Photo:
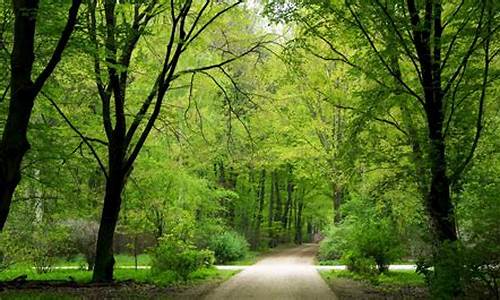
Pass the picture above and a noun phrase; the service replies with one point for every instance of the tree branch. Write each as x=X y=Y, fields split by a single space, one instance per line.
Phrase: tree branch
x=83 y=137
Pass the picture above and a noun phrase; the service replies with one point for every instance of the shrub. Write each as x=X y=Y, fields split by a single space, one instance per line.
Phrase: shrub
x=363 y=244
x=333 y=245
x=358 y=263
x=179 y=257
x=10 y=252
x=228 y=246
x=48 y=243
x=378 y=240
x=458 y=268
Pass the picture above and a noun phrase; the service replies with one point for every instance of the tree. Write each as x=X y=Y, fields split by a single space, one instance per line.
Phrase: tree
x=23 y=92
x=432 y=61
x=187 y=23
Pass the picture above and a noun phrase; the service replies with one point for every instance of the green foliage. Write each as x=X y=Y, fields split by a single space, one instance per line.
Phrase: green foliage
x=457 y=269
x=177 y=259
x=333 y=245
x=391 y=278
x=363 y=245
x=10 y=251
x=47 y=244
x=228 y=246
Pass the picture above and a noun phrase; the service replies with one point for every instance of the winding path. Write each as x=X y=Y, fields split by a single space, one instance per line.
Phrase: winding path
x=288 y=274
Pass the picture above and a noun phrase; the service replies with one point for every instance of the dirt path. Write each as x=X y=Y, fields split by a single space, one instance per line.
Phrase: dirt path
x=288 y=274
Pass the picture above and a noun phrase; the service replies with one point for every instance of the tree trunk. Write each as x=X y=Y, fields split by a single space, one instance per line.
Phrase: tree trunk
x=278 y=207
x=14 y=144
x=439 y=203
x=104 y=263
x=298 y=224
x=259 y=217
x=337 y=201
x=289 y=195
x=271 y=212
x=23 y=89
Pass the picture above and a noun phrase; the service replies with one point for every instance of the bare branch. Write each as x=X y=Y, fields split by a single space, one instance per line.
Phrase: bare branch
x=78 y=132
x=61 y=45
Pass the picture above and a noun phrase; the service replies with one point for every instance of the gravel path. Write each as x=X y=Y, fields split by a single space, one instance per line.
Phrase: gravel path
x=288 y=274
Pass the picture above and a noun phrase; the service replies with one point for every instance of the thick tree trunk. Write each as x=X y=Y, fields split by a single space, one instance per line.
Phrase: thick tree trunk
x=439 y=202
x=104 y=263
x=14 y=144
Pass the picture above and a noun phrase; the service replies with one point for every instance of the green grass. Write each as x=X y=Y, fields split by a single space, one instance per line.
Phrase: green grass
x=338 y=262
x=201 y=276
x=122 y=260
x=251 y=258
x=81 y=276
x=389 y=279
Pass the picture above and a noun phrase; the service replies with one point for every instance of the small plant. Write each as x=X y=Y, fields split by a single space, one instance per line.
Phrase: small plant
x=48 y=243
x=363 y=245
x=178 y=258
x=228 y=246
x=10 y=252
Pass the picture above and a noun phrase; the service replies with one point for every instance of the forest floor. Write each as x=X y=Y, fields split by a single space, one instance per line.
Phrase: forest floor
x=286 y=274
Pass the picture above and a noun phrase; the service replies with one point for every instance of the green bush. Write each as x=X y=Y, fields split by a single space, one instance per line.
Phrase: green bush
x=378 y=240
x=363 y=244
x=10 y=252
x=333 y=245
x=47 y=245
x=456 y=269
x=179 y=258
x=358 y=263
x=228 y=246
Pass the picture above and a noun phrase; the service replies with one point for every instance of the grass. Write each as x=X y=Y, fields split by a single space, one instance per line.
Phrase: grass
x=388 y=279
x=141 y=276
x=251 y=258
x=122 y=260
x=80 y=276
x=338 y=262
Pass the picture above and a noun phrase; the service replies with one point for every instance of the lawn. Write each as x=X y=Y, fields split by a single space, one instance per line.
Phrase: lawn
x=129 y=284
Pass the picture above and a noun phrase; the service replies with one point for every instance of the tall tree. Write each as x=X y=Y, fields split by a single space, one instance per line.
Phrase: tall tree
x=23 y=92
x=188 y=21
x=444 y=53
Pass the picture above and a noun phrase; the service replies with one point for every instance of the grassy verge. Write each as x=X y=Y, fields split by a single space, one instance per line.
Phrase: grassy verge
x=391 y=285
x=130 y=284
x=338 y=262
x=251 y=258
x=391 y=278
x=122 y=260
